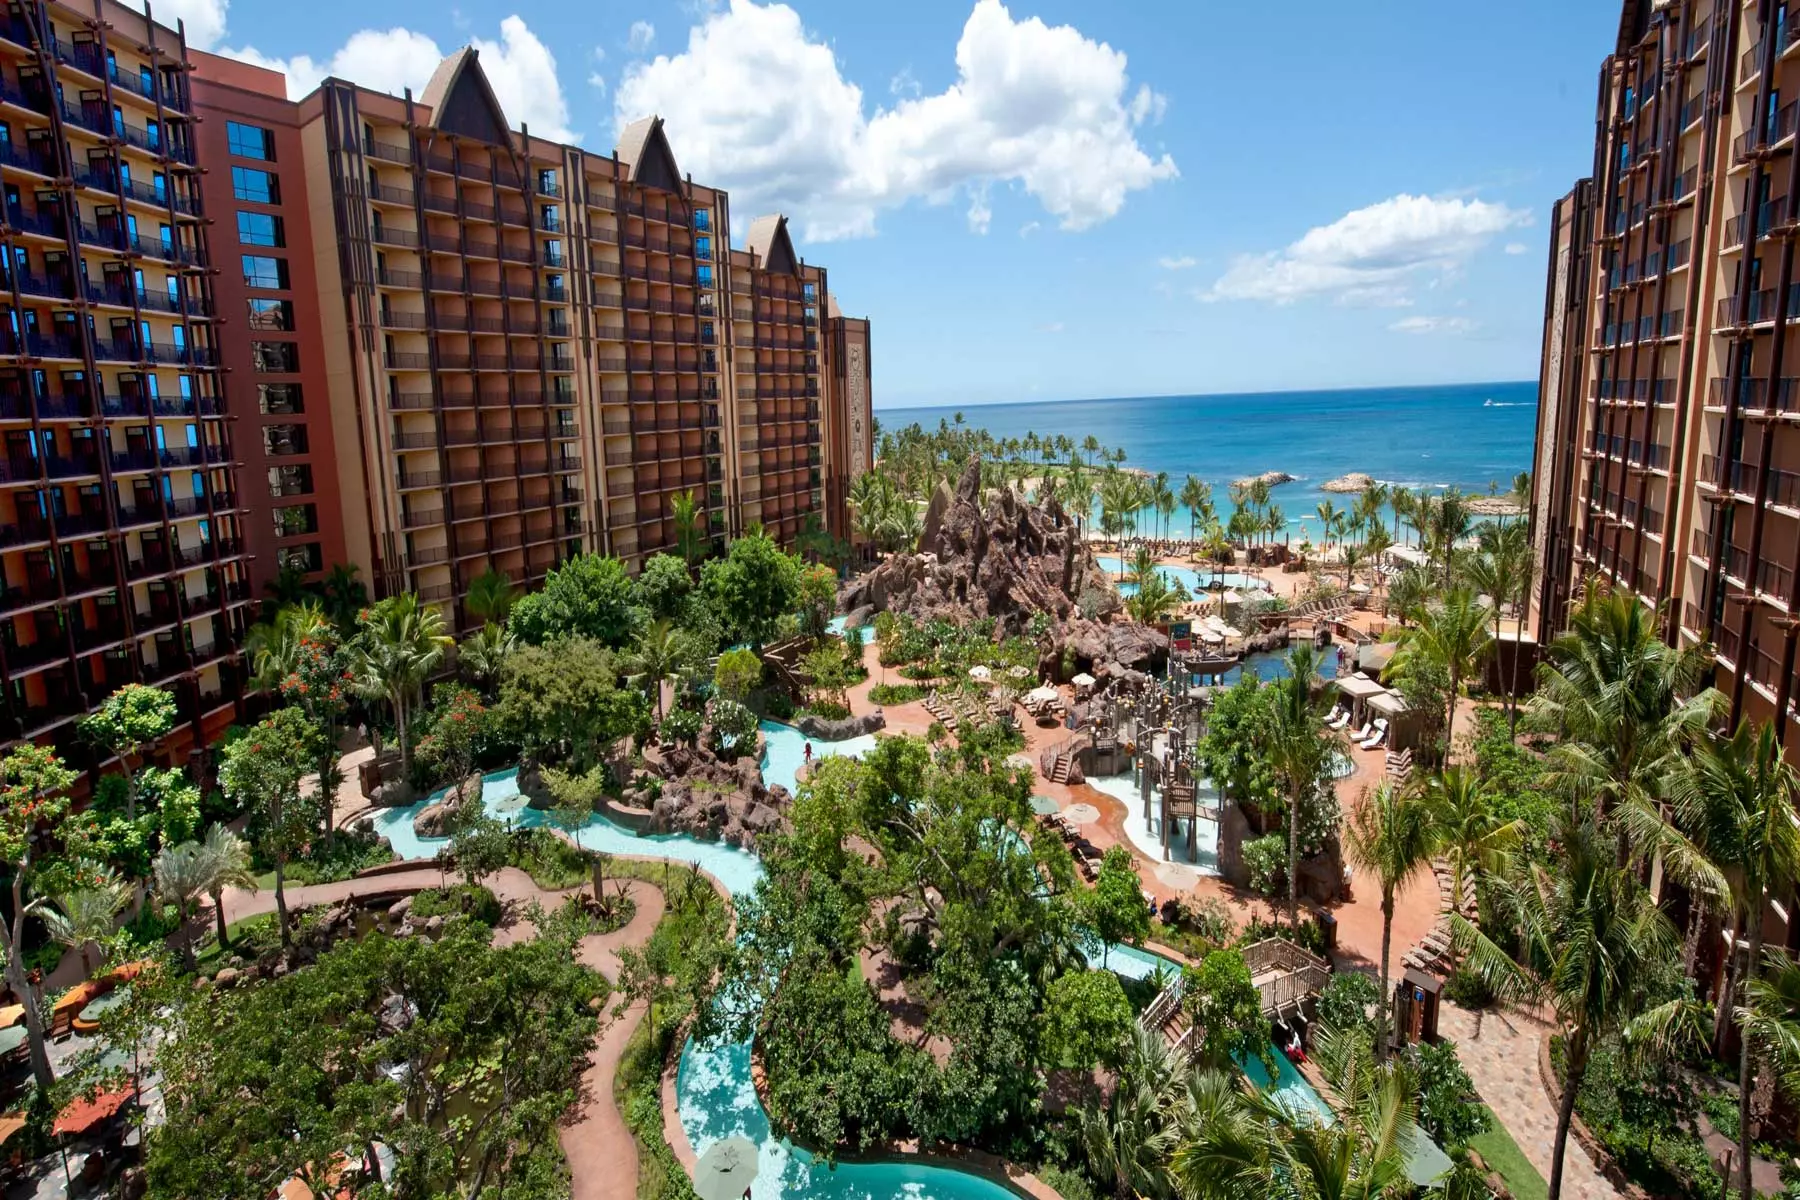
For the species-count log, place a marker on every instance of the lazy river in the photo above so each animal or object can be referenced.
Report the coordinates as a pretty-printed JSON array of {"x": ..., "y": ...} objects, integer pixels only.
[{"x": 714, "y": 1088}]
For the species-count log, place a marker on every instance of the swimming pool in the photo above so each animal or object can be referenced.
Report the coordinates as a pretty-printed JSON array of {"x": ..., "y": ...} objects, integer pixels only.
[
  {"x": 784, "y": 752},
  {"x": 1195, "y": 582},
  {"x": 1289, "y": 1087},
  {"x": 1147, "y": 837}
]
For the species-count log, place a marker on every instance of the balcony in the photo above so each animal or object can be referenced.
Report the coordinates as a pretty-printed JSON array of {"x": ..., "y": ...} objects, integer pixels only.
[{"x": 1753, "y": 394}]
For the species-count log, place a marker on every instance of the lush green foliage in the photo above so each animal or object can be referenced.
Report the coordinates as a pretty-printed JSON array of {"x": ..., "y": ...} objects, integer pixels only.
[
  {"x": 590, "y": 596},
  {"x": 1226, "y": 1009},
  {"x": 752, "y": 588},
  {"x": 1345, "y": 1001},
  {"x": 563, "y": 703}
]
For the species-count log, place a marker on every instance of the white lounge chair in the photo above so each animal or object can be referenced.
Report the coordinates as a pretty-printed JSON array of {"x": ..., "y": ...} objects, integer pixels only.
[
  {"x": 1358, "y": 735},
  {"x": 1377, "y": 736},
  {"x": 1339, "y": 719}
]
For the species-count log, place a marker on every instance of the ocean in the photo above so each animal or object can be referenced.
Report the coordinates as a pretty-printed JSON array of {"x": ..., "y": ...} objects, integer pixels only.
[{"x": 1470, "y": 436}]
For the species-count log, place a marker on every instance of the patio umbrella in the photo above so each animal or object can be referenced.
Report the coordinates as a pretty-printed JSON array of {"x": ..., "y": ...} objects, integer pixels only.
[
  {"x": 1042, "y": 695},
  {"x": 1083, "y": 680},
  {"x": 726, "y": 1170},
  {"x": 1043, "y": 806},
  {"x": 980, "y": 674},
  {"x": 1020, "y": 672},
  {"x": 83, "y": 1114}
]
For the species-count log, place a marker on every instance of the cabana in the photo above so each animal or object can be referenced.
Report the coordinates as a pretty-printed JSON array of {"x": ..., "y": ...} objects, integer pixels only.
[
  {"x": 1403, "y": 723},
  {"x": 1359, "y": 690}
]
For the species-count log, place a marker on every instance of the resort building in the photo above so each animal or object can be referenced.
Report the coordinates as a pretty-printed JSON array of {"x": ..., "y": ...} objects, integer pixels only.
[
  {"x": 1668, "y": 455},
  {"x": 122, "y": 556},
  {"x": 480, "y": 350}
]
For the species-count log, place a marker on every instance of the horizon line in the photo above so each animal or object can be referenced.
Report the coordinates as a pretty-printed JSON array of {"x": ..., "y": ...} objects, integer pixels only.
[{"x": 1404, "y": 387}]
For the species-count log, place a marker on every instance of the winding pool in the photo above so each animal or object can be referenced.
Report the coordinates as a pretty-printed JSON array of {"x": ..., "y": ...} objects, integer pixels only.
[
  {"x": 714, "y": 1089},
  {"x": 1196, "y": 582}
]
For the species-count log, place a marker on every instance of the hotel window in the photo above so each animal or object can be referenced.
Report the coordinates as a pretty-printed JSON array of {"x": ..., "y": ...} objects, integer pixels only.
[
  {"x": 703, "y": 247},
  {"x": 295, "y": 520},
  {"x": 260, "y": 229},
  {"x": 254, "y": 186},
  {"x": 290, "y": 481},
  {"x": 305, "y": 559},
  {"x": 704, "y": 274},
  {"x": 702, "y": 220},
  {"x": 261, "y": 271},
  {"x": 279, "y": 399},
  {"x": 250, "y": 141},
  {"x": 271, "y": 314},
  {"x": 275, "y": 358},
  {"x": 281, "y": 440}
]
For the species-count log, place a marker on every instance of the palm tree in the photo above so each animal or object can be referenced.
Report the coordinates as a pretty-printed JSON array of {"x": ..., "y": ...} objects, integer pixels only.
[
  {"x": 1195, "y": 496},
  {"x": 1471, "y": 835},
  {"x": 660, "y": 649},
  {"x": 1736, "y": 805},
  {"x": 1392, "y": 836},
  {"x": 1626, "y": 703},
  {"x": 228, "y": 865},
  {"x": 1154, "y": 600},
  {"x": 1129, "y": 1141},
  {"x": 1502, "y": 569},
  {"x": 1161, "y": 498},
  {"x": 688, "y": 518},
  {"x": 1447, "y": 521},
  {"x": 345, "y": 596},
  {"x": 1299, "y": 750},
  {"x": 1770, "y": 1015},
  {"x": 275, "y": 646},
  {"x": 181, "y": 874},
  {"x": 400, "y": 643},
  {"x": 78, "y": 919},
  {"x": 490, "y": 597},
  {"x": 1329, "y": 516},
  {"x": 1588, "y": 934},
  {"x": 1451, "y": 641},
  {"x": 484, "y": 652},
  {"x": 1090, "y": 446},
  {"x": 1141, "y": 566}
]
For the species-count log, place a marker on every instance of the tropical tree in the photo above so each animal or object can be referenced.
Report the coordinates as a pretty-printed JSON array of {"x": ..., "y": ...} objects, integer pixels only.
[
  {"x": 483, "y": 653},
  {"x": 1196, "y": 497},
  {"x": 1502, "y": 569},
  {"x": 491, "y": 596},
  {"x": 1156, "y": 597},
  {"x": 228, "y": 866},
  {"x": 398, "y": 646},
  {"x": 660, "y": 651},
  {"x": 34, "y": 787},
  {"x": 1587, "y": 934},
  {"x": 1450, "y": 642},
  {"x": 345, "y": 597},
  {"x": 1391, "y": 836},
  {"x": 1129, "y": 1141},
  {"x": 262, "y": 770},
  {"x": 1299, "y": 748},
  {"x": 1473, "y": 838},
  {"x": 689, "y": 520},
  {"x": 128, "y": 722},
  {"x": 181, "y": 874},
  {"x": 88, "y": 914},
  {"x": 1736, "y": 805}
]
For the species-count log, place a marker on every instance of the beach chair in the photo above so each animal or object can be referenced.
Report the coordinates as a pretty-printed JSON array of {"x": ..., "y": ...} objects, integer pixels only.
[
  {"x": 1376, "y": 736},
  {"x": 1358, "y": 735},
  {"x": 1340, "y": 719}
]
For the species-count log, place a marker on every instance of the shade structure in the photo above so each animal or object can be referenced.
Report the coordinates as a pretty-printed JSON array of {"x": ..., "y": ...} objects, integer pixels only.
[
  {"x": 1041, "y": 695},
  {"x": 1019, "y": 672},
  {"x": 1388, "y": 703},
  {"x": 726, "y": 1170},
  {"x": 1359, "y": 687},
  {"x": 1230, "y": 597},
  {"x": 1083, "y": 680},
  {"x": 1043, "y": 806},
  {"x": 980, "y": 674},
  {"x": 83, "y": 1114},
  {"x": 1361, "y": 589}
]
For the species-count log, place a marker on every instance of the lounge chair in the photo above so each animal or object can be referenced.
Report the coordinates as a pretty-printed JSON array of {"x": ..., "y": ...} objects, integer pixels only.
[
  {"x": 1377, "y": 736},
  {"x": 1360, "y": 734},
  {"x": 1336, "y": 718}
]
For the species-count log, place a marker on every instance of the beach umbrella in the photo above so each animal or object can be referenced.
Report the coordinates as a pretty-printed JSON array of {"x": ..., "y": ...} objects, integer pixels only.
[
  {"x": 1042, "y": 695},
  {"x": 1043, "y": 806},
  {"x": 1083, "y": 680},
  {"x": 1020, "y": 672},
  {"x": 726, "y": 1170},
  {"x": 980, "y": 674}
]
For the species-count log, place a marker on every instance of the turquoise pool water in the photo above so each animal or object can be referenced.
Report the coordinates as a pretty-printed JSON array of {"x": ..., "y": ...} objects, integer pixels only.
[
  {"x": 1289, "y": 1087},
  {"x": 837, "y": 625},
  {"x": 784, "y": 752},
  {"x": 1195, "y": 582}
]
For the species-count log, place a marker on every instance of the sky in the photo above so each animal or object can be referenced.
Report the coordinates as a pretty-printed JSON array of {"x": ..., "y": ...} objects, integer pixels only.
[{"x": 1052, "y": 199}]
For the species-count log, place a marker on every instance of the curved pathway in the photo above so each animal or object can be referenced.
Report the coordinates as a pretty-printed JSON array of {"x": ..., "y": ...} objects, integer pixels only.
[{"x": 600, "y": 1148}]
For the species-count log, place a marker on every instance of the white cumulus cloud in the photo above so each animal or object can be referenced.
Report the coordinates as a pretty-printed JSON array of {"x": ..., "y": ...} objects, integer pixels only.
[
  {"x": 1422, "y": 325},
  {"x": 204, "y": 20},
  {"x": 642, "y": 35},
  {"x": 1374, "y": 255},
  {"x": 1516, "y": 247},
  {"x": 519, "y": 66},
  {"x": 760, "y": 107},
  {"x": 1182, "y": 262}
]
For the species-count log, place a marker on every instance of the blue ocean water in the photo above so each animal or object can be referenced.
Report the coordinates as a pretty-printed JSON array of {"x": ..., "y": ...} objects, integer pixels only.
[{"x": 1469, "y": 436}]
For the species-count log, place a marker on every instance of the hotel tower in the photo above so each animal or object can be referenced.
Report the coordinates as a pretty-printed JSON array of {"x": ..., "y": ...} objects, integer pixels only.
[
  {"x": 1668, "y": 448},
  {"x": 254, "y": 338}
]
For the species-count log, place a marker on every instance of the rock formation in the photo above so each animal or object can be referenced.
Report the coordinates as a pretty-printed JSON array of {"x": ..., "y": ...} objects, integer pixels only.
[
  {"x": 1272, "y": 478},
  {"x": 822, "y": 730},
  {"x": 706, "y": 797},
  {"x": 1008, "y": 561},
  {"x": 437, "y": 819},
  {"x": 1354, "y": 482}
]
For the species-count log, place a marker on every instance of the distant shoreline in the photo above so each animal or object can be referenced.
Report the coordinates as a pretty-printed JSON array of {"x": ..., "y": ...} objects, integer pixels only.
[{"x": 966, "y": 409}]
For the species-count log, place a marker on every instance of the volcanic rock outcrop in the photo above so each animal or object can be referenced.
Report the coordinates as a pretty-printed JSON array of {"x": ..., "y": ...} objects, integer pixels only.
[
  {"x": 706, "y": 797},
  {"x": 1008, "y": 561}
]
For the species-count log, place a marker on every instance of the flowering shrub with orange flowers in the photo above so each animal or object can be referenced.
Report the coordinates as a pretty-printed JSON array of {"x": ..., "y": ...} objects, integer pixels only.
[{"x": 458, "y": 731}]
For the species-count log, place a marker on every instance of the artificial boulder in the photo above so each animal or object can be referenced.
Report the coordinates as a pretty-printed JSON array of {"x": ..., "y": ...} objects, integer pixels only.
[
  {"x": 437, "y": 819},
  {"x": 822, "y": 730},
  {"x": 706, "y": 797}
]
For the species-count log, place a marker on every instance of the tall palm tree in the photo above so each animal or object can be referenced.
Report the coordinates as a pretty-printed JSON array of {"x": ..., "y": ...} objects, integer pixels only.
[
  {"x": 1090, "y": 446},
  {"x": 181, "y": 874},
  {"x": 275, "y": 646},
  {"x": 400, "y": 643},
  {"x": 1161, "y": 496},
  {"x": 228, "y": 866},
  {"x": 1502, "y": 569},
  {"x": 1736, "y": 805},
  {"x": 1626, "y": 703},
  {"x": 1141, "y": 566},
  {"x": 1447, "y": 522},
  {"x": 659, "y": 651},
  {"x": 1153, "y": 601},
  {"x": 1391, "y": 836},
  {"x": 1471, "y": 836},
  {"x": 1329, "y": 515},
  {"x": 85, "y": 916},
  {"x": 491, "y": 596},
  {"x": 1588, "y": 934},
  {"x": 689, "y": 520},
  {"x": 1195, "y": 496},
  {"x": 1299, "y": 750},
  {"x": 483, "y": 653},
  {"x": 1450, "y": 641},
  {"x": 345, "y": 596}
]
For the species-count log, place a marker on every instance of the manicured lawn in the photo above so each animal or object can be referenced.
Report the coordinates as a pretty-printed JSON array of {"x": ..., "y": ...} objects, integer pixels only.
[{"x": 1504, "y": 1157}]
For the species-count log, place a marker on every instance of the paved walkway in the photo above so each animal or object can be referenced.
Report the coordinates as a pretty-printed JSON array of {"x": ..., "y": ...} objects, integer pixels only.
[
  {"x": 1500, "y": 1052},
  {"x": 602, "y": 1153}
]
